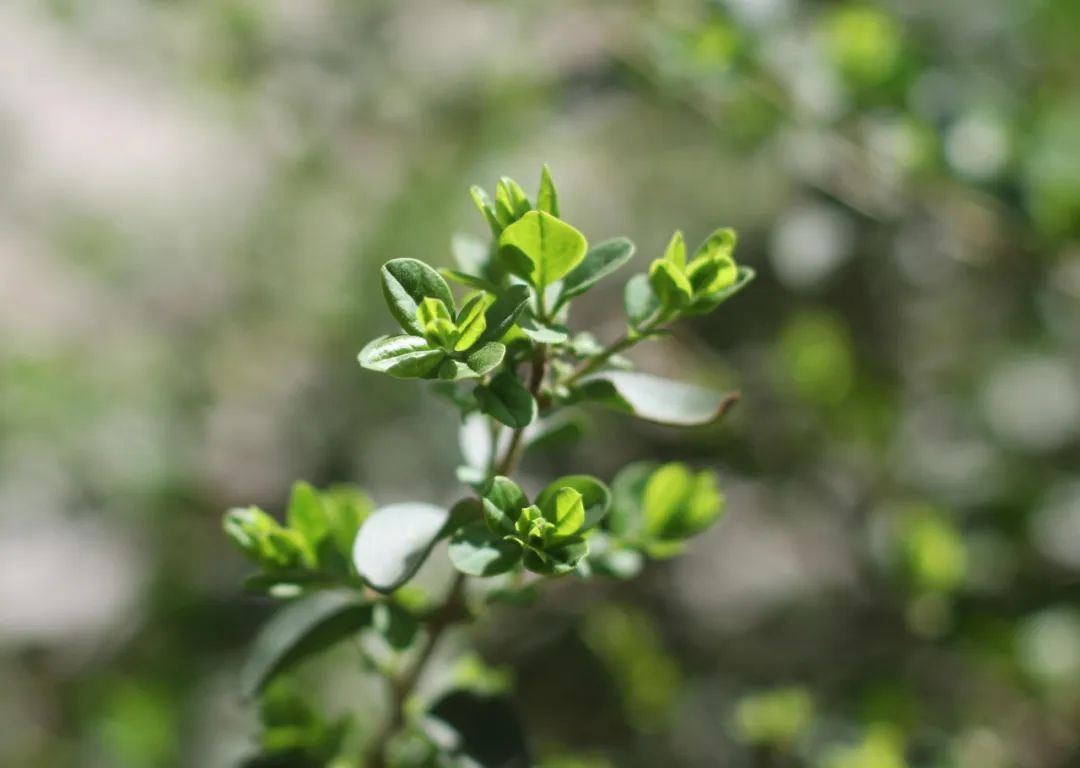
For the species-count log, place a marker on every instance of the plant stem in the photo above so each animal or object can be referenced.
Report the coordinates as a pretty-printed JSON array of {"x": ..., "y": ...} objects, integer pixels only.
[
  {"x": 593, "y": 364},
  {"x": 517, "y": 442},
  {"x": 402, "y": 688}
]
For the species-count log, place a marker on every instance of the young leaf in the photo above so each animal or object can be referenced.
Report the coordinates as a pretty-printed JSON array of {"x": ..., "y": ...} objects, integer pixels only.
[
  {"x": 675, "y": 253},
  {"x": 485, "y": 206},
  {"x": 599, "y": 262},
  {"x": 656, "y": 399},
  {"x": 678, "y": 504},
  {"x": 503, "y": 502},
  {"x": 550, "y": 246},
  {"x": 708, "y": 303},
  {"x": 478, "y": 551},
  {"x": 670, "y": 285},
  {"x": 306, "y": 515},
  {"x": 642, "y": 306},
  {"x": 547, "y": 200},
  {"x": 719, "y": 244},
  {"x": 627, "y": 515},
  {"x": 595, "y": 497},
  {"x": 502, "y": 314},
  {"x": 407, "y": 282},
  {"x": 300, "y": 630},
  {"x": 565, "y": 510},
  {"x": 405, "y": 357},
  {"x": 519, "y": 203},
  {"x": 394, "y": 542},
  {"x": 439, "y": 327},
  {"x": 471, "y": 321},
  {"x": 507, "y": 400}
]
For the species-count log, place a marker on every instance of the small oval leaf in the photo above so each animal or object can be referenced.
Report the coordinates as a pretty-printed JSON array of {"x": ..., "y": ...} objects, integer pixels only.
[
  {"x": 655, "y": 399},
  {"x": 394, "y": 542}
]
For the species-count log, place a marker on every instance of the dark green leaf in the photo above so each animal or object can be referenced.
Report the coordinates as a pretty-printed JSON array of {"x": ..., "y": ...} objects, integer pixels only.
[
  {"x": 472, "y": 281},
  {"x": 655, "y": 399},
  {"x": 485, "y": 357},
  {"x": 551, "y": 247},
  {"x": 478, "y": 551},
  {"x": 397, "y": 626},
  {"x": 394, "y": 542},
  {"x": 504, "y": 312},
  {"x": 559, "y": 560},
  {"x": 503, "y": 502},
  {"x": 642, "y": 306},
  {"x": 599, "y": 262},
  {"x": 301, "y": 629},
  {"x": 407, "y": 282},
  {"x": 507, "y": 400},
  {"x": 484, "y": 729},
  {"x": 405, "y": 357}
]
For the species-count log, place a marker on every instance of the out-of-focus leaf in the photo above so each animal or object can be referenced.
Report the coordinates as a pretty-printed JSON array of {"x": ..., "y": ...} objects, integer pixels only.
[
  {"x": 394, "y": 542},
  {"x": 478, "y": 551},
  {"x": 485, "y": 729},
  {"x": 655, "y": 399}
]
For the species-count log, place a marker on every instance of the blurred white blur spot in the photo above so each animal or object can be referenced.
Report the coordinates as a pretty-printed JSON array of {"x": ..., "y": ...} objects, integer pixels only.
[
  {"x": 1032, "y": 402},
  {"x": 1055, "y": 528},
  {"x": 976, "y": 146},
  {"x": 1049, "y": 646},
  {"x": 761, "y": 12},
  {"x": 65, "y": 581},
  {"x": 809, "y": 243}
]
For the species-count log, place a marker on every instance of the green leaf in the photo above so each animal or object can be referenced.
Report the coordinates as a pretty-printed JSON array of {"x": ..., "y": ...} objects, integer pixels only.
[
  {"x": 306, "y": 516},
  {"x": 675, "y": 253},
  {"x": 439, "y": 327},
  {"x": 394, "y": 624},
  {"x": 550, "y": 246},
  {"x": 608, "y": 559},
  {"x": 485, "y": 206},
  {"x": 558, "y": 560},
  {"x": 547, "y": 200},
  {"x": 478, "y": 361},
  {"x": 595, "y": 497},
  {"x": 542, "y": 333},
  {"x": 405, "y": 357},
  {"x": 345, "y": 508},
  {"x": 720, "y": 244},
  {"x": 655, "y": 399},
  {"x": 518, "y": 201},
  {"x": 503, "y": 502},
  {"x": 469, "y": 280},
  {"x": 407, "y": 282},
  {"x": 678, "y": 504},
  {"x": 507, "y": 401},
  {"x": 708, "y": 303},
  {"x": 599, "y": 262},
  {"x": 300, "y": 630},
  {"x": 394, "y": 542},
  {"x": 471, "y": 321},
  {"x": 478, "y": 551},
  {"x": 478, "y": 730},
  {"x": 642, "y": 305},
  {"x": 262, "y": 538},
  {"x": 627, "y": 516},
  {"x": 504, "y": 312},
  {"x": 670, "y": 285},
  {"x": 565, "y": 510}
]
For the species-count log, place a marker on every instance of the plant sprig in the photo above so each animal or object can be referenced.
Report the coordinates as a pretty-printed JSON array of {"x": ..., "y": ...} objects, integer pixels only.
[{"x": 503, "y": 354}]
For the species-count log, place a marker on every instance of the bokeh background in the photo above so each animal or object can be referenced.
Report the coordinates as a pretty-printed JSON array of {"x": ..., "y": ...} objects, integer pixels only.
[{"x": 194, "y": 201}]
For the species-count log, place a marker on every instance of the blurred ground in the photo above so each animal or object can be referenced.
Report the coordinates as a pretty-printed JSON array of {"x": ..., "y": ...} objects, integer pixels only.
[{"x": 195, "y": 200}]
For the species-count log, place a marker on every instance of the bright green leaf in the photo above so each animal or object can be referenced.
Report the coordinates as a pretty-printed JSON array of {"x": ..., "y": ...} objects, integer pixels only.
[
  {"x": 678, "y": 504},
  {"x": 709, "y": 302},
  {"x": 550, "y": 246},
  {"x": 405, "y": 357},
  {"x": 595, "y": 497},
  {"x": 670, "y": 285},
  {"x": 565, "y": 510},
  {"x": 306, "y": 516},
  {"x": 547, "y": 200},
  {"x": 407, "y": 282},
  {"x": 471, "y": 321},
  {"x": 486, "y": 207},
  {"x": 675, "y": 253}
]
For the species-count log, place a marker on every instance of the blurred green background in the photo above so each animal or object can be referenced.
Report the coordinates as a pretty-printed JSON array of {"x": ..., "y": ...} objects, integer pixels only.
[{"x": 194, "y": 202}]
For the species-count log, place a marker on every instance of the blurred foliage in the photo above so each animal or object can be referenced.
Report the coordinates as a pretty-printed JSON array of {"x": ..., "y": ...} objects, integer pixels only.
[{"x": 196, "y": 196}]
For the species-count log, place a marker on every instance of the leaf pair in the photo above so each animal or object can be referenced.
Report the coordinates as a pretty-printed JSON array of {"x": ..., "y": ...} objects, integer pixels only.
[
  {"x": 440, "y": 342},
  {"x": 319, "y": 535},
  {"x": 548, "y": 535},
  {"x": 677, "y": 286},
  {"x": 657, "y": 508}
]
